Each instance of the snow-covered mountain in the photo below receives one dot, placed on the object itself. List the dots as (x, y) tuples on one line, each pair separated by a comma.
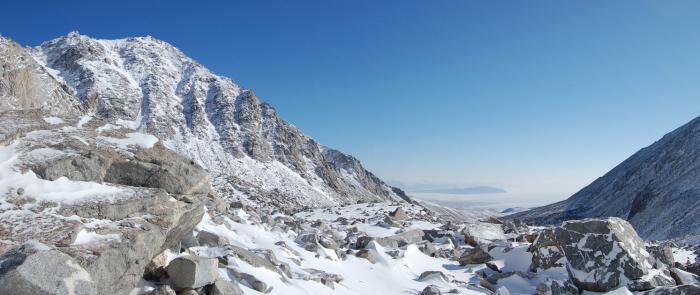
[(657, 189), (149, 85)]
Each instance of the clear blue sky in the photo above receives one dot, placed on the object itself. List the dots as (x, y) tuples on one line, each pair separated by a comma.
[(531, 96)]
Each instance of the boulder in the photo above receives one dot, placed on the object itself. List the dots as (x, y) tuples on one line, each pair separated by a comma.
[(684, 278), (432, 275), (430, 290), (192, 271), (662, 253), (221, 287), (364, 253), (601, 254), (161, 290), (209, 239), (474, 256), (37, 269), (250, 280), (398, 214), (408, 237), (546, 252), (677, 290), (390, 243)]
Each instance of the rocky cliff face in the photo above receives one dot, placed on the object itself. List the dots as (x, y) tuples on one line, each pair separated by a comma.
[(656, 189), (148, 85)]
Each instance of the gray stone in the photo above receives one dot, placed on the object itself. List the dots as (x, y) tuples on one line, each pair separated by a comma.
[(28, 270), (221, 287), (662, 253), (474, 256), (684, 278), (192, 271), (430, 290), (363, 241), (161, 290), (398, 214), (432, 275), (408, 237), (677, 290), (251, 281), (601, 253), (209, 239), (364, 253)]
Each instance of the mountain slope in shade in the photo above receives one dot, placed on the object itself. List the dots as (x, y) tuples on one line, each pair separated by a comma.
[(149, 85), (657, 189)]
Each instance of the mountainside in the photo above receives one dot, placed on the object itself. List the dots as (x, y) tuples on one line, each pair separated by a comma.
[(657, 189), (148, 85)]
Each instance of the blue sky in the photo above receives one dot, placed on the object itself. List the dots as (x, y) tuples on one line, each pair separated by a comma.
[(537, 97)]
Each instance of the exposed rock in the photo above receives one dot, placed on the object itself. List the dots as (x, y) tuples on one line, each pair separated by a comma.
[(323, 277), (362, 242), (210, 239), (474, 256), (431, 290), (677, 290), (161, 290), (411, 236), (251, 281), (36, 269), (364, 253), (221, 287), (546, 252), (399, 214), (662, 253), (600, 253), (432, 275), (684, 278), (192, 271), (155, 269)]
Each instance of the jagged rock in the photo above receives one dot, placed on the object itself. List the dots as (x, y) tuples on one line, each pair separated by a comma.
[(684, 278), (600, 253), (545, 251), (474, 256), (427, 248), (192, 271), (161, 290), (662, 253), (432, 275), (398, 214), (188, 291), (431, 290), (364, 253), (36, 269), (677, 290), (209, 239), (221, 287), (408, 237), (155, 269), (252, 258), (648, 283), (363, 241), (251, 281), (493, 266), (323, 277), (563, 288)]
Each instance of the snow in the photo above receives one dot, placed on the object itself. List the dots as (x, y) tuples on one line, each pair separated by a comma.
[(386, 276), (135, 138), (60, 190), (53, 120), (85, 237)]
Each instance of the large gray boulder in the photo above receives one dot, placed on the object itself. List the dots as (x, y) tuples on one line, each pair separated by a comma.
[(474, 256), (192, 271), (35, 269), (601, 254), (221, 287)]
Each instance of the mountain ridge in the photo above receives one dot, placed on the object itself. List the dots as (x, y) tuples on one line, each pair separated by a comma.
[(149, 85), (655, 189)]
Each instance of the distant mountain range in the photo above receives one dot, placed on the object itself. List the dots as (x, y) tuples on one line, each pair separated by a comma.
[(657, 189)]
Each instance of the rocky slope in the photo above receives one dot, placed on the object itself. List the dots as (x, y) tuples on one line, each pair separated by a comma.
[(148, 85), (657, 189)]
